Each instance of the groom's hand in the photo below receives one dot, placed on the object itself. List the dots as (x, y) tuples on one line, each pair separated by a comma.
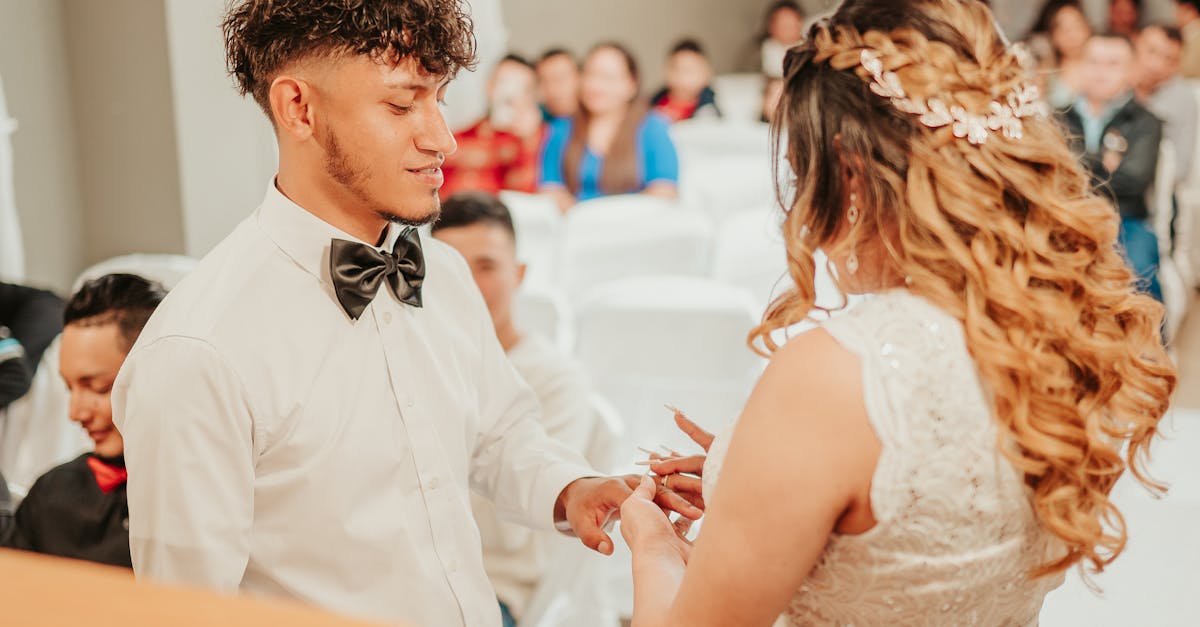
[(592, 503)]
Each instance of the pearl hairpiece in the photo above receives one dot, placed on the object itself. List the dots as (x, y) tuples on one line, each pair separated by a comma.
[(1005, 117)]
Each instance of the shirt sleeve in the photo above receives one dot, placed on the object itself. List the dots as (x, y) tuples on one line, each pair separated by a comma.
[(662, 162), (514, 462), (566, 406), (189, 450), (553, 151)]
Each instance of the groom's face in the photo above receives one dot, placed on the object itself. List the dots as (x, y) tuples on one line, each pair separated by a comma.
[(383, 134)]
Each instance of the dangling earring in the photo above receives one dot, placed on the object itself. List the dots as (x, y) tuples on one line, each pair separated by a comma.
[(852, 216)]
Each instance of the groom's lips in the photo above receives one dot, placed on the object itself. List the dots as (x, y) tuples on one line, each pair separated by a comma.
[(430, 175)]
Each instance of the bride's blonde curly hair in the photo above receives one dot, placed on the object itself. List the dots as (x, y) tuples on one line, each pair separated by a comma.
[(1006, 236)]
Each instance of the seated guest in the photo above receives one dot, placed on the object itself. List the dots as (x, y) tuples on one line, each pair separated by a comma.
[(1160, 89), (1124, 17), (78, 509), (615, 144), (1063, 27), (687, 94), (1119, 140), (501, 150), (784, 29), (1187, 17), (479, 226), (30, 319), (558, 84)]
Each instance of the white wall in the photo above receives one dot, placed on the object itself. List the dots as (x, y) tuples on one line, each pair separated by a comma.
[(226, 147), (33, 62)]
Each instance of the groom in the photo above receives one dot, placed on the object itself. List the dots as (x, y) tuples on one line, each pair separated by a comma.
[(305, 414)]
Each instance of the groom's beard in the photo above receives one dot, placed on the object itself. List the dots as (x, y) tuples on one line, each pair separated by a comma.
[(353, 177)]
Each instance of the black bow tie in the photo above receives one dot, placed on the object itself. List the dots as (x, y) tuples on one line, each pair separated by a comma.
[(358, 269)]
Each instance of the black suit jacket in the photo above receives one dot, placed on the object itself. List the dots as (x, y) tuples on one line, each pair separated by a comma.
[(1127, 186)]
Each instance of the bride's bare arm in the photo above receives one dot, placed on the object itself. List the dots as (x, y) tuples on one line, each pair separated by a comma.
[(800, 461)]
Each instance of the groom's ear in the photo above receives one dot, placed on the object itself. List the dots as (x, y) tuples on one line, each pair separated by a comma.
[(291, 99)]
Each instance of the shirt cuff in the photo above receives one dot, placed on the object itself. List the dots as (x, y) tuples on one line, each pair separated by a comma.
[(553, 482)]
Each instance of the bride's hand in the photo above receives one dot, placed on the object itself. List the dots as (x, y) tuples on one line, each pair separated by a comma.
[(683, 473), (646, 527)]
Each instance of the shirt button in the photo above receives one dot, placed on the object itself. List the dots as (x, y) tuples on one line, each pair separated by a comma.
[(432, 484), (409, 401), (387, 317)]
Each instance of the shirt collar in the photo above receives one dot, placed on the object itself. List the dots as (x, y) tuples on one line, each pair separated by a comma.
[(304, 237)]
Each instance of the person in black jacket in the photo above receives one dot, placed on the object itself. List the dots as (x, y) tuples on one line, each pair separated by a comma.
[(78, 510), (30, 319), (1119, 140)]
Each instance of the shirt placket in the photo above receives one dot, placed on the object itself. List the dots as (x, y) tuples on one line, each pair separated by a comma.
[(434, 476)]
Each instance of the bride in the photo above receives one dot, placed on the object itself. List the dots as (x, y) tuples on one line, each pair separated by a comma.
[(944, 452)]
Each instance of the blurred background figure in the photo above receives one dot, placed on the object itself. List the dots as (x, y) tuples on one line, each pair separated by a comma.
[(558, 84), (1065, 29), (1125, 17), (30, 319), (615, 144), (500, 151), (783, 29), (79, 509), (1187, 17), (1160, 88), (481, 228), (688, 93), (1120, 143)]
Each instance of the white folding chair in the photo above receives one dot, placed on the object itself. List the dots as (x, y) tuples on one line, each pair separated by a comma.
[(621, 236), (1176, 292), (749, 252), (650, 341), (538, 223), (168, 270), (544, 310), (701, 138), (722, 184), (740, 96)]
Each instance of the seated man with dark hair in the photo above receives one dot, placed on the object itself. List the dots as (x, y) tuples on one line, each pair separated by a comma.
[(480, 227), (78, 509), (687, 94), (1118, 140)]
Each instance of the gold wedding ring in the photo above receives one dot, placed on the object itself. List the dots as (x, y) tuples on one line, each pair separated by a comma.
[(666, 482)]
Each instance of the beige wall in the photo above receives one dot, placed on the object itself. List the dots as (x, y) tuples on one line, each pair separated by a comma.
[(120, 81), (33, 62), (649, 28)]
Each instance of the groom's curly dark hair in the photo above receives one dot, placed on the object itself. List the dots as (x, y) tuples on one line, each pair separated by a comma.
[(262, 37)]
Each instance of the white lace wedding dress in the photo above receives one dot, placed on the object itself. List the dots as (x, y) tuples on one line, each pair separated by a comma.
[(956, 533)]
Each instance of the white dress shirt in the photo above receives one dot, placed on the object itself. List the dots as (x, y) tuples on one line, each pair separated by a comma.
[(278, 448), (516, 557)]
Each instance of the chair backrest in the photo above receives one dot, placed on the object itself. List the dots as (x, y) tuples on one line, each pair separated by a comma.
[(608, 431), (542, 309), (622, 236), (740, 96), (701, 138), (722, 184), (749, 252), (1161, 197), (650, 341), (538, 224), (165, 269)]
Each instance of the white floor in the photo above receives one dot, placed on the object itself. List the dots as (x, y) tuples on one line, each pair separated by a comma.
[(1156, 582)]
